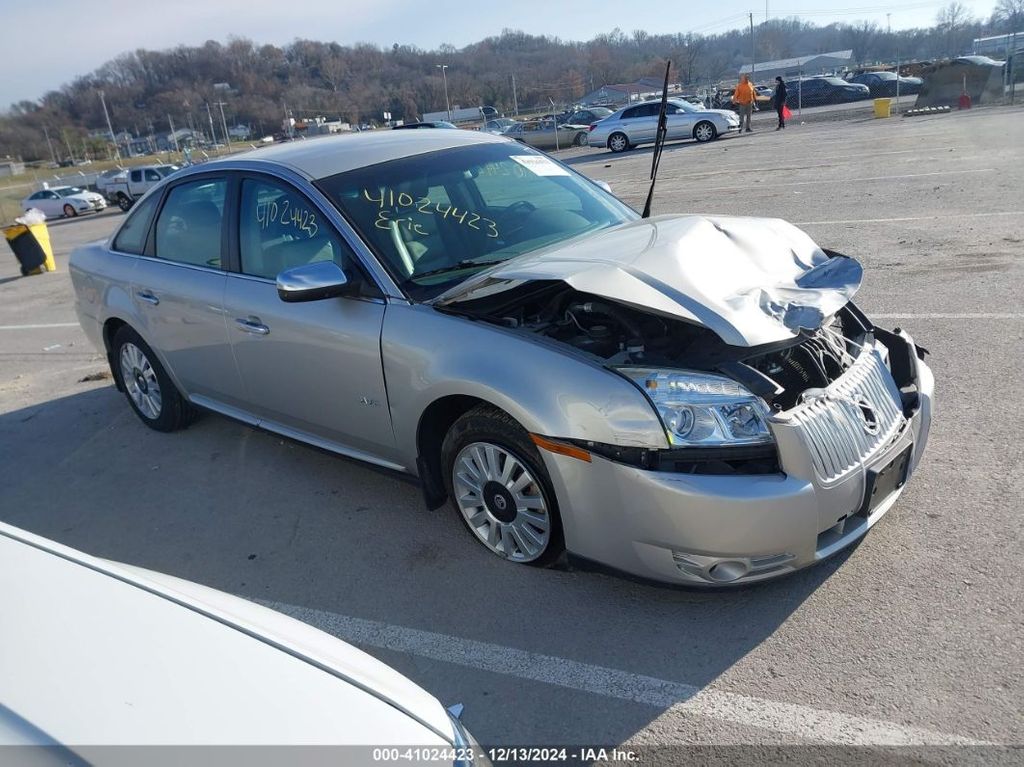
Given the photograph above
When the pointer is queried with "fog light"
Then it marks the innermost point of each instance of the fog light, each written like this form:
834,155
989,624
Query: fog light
729,570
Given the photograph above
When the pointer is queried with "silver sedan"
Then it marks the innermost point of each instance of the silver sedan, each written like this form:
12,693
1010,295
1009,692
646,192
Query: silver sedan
541,134
692,399
638,124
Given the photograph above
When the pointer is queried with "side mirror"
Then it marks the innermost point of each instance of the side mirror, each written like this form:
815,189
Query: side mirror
313,282
604,185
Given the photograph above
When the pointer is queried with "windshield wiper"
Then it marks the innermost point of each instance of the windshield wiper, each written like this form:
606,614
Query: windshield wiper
456,267
659,141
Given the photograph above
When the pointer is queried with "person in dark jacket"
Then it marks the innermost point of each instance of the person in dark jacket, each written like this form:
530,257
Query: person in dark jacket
780,101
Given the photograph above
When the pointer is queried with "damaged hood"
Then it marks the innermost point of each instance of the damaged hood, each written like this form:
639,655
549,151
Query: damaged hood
752,281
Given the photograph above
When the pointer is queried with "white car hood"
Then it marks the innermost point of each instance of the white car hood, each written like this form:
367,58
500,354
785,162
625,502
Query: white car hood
98,653
752,281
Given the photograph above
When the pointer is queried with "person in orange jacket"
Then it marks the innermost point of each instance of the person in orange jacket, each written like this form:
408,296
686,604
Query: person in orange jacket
744,98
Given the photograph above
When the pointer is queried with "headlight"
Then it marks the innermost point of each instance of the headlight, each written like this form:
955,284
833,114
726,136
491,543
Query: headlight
702,409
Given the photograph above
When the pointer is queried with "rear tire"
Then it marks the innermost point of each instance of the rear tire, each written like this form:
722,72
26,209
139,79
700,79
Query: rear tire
618,142
150,391
497,483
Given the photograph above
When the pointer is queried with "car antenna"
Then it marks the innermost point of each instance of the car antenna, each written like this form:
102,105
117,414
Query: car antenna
659,141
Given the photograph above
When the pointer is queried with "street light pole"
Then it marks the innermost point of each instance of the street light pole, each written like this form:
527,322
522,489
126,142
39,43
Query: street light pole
444,76
752,51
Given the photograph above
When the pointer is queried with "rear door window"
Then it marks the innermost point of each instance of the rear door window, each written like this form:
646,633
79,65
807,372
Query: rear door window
190,224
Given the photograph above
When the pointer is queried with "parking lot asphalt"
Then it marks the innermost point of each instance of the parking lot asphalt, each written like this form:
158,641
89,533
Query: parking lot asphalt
913,637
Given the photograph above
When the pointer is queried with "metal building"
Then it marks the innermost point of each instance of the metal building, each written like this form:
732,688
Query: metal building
815,64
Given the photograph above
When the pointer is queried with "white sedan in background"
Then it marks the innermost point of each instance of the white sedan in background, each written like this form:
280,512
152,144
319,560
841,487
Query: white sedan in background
638,124
66,201
95,653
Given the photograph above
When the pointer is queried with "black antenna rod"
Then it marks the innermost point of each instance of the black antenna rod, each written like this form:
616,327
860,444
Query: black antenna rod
659,141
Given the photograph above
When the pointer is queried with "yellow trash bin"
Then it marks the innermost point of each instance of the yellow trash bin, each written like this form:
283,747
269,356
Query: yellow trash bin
31,246
883,107
42,235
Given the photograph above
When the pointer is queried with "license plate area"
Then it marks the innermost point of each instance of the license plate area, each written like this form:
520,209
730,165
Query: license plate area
882,482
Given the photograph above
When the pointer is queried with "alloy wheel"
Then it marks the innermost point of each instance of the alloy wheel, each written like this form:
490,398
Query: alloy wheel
140,381
501,501
704,132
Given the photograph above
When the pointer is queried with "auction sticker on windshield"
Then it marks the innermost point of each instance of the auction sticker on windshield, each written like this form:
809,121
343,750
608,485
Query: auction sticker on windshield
539,165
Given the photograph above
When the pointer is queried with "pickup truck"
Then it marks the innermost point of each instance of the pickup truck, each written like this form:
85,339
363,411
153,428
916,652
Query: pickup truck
126,187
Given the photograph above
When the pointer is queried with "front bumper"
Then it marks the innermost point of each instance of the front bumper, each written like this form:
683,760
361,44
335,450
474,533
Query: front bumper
715,530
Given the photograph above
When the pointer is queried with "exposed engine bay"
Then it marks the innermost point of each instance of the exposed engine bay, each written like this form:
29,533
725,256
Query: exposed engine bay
622,335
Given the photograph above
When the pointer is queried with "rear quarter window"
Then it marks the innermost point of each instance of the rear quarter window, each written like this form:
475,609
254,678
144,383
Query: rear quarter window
133,233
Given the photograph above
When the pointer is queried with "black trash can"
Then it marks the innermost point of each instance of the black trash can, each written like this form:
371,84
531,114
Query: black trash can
26,247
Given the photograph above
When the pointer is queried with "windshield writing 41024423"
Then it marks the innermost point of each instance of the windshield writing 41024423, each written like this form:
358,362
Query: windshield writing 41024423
389,203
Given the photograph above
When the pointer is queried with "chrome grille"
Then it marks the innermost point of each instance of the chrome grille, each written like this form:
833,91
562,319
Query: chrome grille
853,418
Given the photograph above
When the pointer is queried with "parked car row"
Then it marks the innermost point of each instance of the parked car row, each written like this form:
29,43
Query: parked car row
883,84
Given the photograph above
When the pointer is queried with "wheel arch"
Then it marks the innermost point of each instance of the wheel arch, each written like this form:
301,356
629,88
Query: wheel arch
434,424
110,328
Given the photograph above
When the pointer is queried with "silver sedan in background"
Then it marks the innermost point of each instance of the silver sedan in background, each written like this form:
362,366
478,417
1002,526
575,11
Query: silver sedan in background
638,124
694,399
541,134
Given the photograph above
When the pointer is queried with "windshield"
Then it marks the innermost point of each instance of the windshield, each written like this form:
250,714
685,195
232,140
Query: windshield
686,106
67,191
435,219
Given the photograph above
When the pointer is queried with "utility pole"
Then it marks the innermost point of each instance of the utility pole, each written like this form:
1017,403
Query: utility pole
752,49
174,138
209,116
765,11
888,22
515,100
67,143
53,157
224,124
117,152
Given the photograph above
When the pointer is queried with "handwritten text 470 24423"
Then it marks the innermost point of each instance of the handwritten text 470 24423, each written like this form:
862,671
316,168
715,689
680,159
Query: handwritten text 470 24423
388,202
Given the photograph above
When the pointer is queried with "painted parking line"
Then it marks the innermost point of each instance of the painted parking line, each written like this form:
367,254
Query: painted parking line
911,218
951,316
845,181
803,721
40,327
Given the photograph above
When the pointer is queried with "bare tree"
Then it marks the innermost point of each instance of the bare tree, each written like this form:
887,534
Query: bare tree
951,21
1009,16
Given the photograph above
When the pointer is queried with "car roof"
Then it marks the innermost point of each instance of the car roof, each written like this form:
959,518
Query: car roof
327,156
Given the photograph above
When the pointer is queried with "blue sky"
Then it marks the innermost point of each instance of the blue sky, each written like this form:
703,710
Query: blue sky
68,39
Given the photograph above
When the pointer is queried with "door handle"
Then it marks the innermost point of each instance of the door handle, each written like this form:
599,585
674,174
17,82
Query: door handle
252,325
148,296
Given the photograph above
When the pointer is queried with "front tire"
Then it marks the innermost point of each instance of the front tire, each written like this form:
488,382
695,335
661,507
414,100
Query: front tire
150,391
618,142
69,210
497,483
123,202
705,131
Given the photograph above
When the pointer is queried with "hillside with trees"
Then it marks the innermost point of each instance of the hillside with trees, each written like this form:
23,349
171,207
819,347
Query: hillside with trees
259,84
